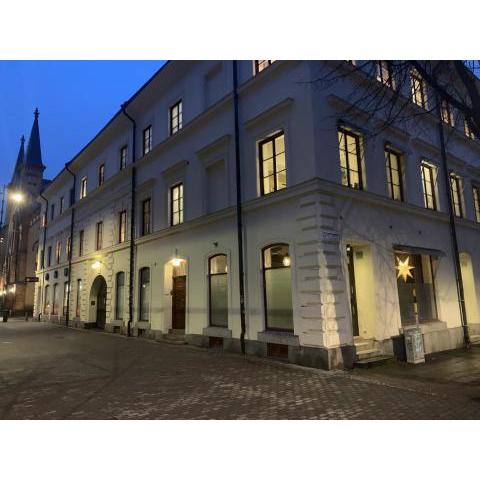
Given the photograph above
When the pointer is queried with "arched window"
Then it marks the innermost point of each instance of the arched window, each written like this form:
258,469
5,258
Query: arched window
55,299
218,290
277,284
119,295
144,295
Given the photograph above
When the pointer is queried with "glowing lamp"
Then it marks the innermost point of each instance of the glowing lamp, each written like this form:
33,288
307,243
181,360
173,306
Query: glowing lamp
286,261
17,197
96,264
176,262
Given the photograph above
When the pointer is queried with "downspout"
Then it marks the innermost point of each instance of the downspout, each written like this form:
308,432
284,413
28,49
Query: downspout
132,223
42,261
238,174
453,229
70,253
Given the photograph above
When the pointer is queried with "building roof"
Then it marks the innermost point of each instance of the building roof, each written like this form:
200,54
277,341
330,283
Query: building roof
20,157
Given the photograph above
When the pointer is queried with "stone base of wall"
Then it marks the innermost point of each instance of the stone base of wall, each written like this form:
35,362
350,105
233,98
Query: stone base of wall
327,359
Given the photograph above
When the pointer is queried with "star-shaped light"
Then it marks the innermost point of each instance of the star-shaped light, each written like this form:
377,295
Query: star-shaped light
404,269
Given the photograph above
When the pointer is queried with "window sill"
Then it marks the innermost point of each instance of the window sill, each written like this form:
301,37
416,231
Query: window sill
283,338
222,332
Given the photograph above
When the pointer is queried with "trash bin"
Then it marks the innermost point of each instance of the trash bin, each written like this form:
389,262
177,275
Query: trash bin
414,345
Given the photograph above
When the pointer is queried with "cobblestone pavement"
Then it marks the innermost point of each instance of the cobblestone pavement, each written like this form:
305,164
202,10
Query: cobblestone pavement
50,372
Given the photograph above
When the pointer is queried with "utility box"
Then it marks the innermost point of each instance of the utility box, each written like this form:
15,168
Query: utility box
414,345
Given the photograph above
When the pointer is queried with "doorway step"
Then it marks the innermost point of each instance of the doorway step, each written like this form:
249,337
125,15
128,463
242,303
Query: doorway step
175,336
368,353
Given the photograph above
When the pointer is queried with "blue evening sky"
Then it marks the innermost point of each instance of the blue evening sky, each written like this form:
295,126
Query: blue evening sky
75,100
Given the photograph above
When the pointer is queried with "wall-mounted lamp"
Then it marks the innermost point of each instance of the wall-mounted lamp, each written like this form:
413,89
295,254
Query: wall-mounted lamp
286,261
96,264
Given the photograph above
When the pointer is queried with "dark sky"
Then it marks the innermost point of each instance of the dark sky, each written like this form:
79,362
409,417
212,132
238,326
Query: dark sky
75,99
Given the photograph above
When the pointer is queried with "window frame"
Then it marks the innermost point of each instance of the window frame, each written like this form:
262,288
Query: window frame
122,226
210,274
99,235
390,185
385,66
175,112
260,65
78,298
147,139
140,294
416,77
62,205
123,157
456,194
271,139
81,240
264,269
446,113
181,209
425,166
83,187
58,251
66,294
476,201
118,275
101,174
358,147
146,227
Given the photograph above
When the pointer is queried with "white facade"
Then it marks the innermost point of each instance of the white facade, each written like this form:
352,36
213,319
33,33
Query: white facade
315,215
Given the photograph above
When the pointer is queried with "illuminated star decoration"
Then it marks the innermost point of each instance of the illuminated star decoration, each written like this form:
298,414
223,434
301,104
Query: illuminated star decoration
404,269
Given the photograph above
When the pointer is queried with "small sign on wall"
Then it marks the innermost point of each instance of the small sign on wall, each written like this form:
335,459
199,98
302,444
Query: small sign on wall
328,236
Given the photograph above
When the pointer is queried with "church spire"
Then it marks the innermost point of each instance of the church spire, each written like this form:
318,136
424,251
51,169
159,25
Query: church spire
21,155
34,152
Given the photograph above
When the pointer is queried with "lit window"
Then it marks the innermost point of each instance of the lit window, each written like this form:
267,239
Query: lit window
350,159
123,157
456,191
58,251
146,217
176,204
384,73
447,114
468,130
277,280
218,290
101,174
78,299
99,236
419,94
428,181
144,295
261,65
476,201
66,293
122,226
119,295
147,140
176,117
273,172
83,187
394,174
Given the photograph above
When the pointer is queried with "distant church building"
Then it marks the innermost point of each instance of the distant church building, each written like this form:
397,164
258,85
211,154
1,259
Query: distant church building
20,232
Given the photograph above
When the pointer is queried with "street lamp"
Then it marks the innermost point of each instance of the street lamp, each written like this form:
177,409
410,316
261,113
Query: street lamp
17,197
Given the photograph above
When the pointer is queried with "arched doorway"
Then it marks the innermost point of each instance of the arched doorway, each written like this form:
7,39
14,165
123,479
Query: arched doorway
98,302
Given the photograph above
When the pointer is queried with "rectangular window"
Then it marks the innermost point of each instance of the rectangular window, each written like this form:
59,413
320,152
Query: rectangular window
101,174
119,295
147,139
62,204
52,211
123,157
55,300
350,159
468,130
428,180
176,117
79,294
66,293
261,65
68,247
83,187
456,191
146,214
49,255
80,242
273,170
394,174
476,202
384,73
122,226
447,114
58,251
46,301
419,94
176,204
99,236
144,294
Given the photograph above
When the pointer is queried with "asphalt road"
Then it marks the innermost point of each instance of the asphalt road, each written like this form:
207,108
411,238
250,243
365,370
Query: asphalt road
50,372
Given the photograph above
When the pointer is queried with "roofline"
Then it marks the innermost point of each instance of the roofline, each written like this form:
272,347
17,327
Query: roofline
124,104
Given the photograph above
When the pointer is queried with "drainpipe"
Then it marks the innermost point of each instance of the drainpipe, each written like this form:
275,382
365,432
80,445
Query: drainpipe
132,222
238,174
42,261
70,253
453,229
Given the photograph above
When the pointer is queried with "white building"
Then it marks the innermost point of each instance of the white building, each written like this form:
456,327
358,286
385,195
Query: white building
328,212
